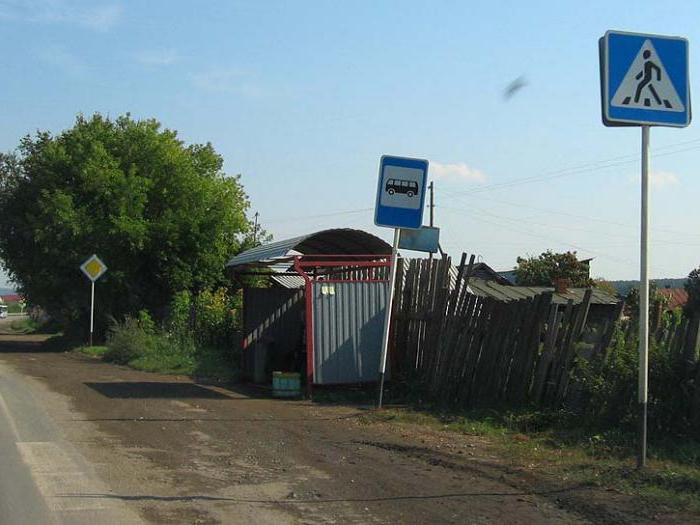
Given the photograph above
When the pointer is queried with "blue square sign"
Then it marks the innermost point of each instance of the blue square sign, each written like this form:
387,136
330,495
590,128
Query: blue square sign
644,80
401,192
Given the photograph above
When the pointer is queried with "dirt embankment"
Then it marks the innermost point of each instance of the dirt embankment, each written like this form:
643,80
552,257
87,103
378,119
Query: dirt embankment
186,453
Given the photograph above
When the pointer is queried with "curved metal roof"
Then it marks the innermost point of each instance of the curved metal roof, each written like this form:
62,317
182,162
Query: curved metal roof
340,241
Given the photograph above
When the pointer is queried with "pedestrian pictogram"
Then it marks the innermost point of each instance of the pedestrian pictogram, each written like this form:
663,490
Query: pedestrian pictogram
644,80
647,85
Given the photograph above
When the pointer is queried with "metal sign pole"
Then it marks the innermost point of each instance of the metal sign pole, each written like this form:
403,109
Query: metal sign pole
387,316
644,303
92,310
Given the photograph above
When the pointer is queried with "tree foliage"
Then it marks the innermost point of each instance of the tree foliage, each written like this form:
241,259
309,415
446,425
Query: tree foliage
606,286
692,286
549,266
161,214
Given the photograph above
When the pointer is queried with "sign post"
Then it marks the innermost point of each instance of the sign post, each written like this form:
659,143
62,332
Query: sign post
93,268
644,82
400,203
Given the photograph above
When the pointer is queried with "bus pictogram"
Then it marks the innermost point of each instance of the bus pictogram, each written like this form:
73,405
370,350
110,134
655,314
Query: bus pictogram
407,187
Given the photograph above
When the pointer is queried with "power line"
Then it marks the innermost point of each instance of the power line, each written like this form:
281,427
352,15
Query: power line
577,216
588,167
574,170
321,215
545,237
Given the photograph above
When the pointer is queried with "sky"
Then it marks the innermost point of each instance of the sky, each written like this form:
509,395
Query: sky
302,99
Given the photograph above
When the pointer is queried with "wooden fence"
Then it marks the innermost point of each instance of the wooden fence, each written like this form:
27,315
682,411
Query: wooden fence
467,350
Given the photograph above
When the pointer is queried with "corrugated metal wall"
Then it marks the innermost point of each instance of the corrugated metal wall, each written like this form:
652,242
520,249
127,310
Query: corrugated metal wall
348,324
273,330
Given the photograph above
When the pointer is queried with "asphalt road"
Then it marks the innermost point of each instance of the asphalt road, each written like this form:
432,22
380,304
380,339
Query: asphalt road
42,476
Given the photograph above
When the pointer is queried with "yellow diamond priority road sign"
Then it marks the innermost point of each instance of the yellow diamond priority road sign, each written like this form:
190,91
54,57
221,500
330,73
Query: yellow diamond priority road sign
94,268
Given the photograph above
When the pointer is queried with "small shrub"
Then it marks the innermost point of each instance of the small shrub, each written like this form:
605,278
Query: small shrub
209,317
130,339
608,384
167,354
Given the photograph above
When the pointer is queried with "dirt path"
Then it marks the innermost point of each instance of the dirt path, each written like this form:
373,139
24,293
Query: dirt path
178,452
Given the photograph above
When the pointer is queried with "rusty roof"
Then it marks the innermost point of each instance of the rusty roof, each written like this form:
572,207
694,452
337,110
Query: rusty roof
676,297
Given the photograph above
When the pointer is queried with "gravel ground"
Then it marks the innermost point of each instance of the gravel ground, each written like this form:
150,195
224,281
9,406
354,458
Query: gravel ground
180,452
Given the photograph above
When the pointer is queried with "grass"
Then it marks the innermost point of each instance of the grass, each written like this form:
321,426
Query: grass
14,308
92,351
22,326
204,364
27,325
197,362
164,353
554,448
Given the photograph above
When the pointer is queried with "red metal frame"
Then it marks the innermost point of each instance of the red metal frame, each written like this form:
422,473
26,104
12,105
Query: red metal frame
329,261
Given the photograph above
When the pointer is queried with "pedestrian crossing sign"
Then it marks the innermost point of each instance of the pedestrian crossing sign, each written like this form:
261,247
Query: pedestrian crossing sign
644,80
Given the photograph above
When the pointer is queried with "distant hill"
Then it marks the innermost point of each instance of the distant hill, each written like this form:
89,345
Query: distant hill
6,291
623,287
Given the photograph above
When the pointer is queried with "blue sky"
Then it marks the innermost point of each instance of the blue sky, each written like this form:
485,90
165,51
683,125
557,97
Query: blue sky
302,98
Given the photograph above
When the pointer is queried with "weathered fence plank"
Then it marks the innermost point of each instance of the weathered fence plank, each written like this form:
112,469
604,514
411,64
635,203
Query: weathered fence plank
470,350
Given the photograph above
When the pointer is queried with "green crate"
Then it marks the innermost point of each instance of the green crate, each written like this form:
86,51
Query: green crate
286,384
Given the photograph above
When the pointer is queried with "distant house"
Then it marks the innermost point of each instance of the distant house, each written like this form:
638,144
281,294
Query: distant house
674,297
484,271
486,282
10,298
510,276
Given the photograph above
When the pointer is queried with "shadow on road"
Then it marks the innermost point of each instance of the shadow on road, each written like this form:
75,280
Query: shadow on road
320,500
154,390
12,343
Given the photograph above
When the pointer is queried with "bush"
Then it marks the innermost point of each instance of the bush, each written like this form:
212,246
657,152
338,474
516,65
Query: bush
130,339
139,343
608,387
209,318
168,355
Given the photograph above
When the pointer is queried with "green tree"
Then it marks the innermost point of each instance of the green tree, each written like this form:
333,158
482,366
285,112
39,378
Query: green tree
606,286
161,214
692,286
657,303
544,269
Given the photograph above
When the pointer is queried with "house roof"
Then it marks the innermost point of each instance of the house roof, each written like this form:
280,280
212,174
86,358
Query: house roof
10,298
676,297
341,241
507,293
484,271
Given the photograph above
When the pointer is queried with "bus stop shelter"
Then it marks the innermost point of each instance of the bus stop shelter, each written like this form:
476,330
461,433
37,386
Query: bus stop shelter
324,304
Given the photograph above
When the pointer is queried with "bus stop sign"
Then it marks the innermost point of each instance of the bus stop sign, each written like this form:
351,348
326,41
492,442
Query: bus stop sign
401,192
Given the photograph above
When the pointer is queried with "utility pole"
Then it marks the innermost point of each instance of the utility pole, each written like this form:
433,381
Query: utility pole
432,213
255,229
432,203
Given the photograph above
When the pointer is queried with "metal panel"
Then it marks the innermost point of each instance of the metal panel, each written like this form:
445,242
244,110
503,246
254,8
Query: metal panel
348,323
273,331
336,241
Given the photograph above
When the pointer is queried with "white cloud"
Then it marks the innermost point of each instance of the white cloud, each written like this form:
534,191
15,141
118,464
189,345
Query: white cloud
456,172
661,179
96,17
158,57
658,179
